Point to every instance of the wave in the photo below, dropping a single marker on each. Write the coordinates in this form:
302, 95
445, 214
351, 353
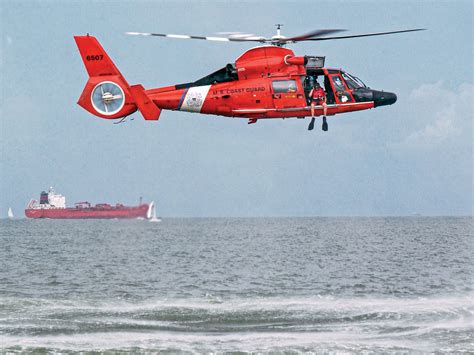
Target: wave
247, 324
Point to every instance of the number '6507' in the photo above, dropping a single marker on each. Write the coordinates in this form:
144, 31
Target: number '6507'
95, 57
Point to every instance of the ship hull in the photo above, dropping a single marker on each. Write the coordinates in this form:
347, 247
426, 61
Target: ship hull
88, 213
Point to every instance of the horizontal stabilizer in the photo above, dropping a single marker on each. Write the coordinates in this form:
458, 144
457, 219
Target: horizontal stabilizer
146, 106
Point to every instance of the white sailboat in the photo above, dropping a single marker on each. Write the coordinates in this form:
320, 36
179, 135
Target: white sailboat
151, 213
10, 213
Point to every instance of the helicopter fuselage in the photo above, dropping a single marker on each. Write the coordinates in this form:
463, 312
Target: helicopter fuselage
264, 82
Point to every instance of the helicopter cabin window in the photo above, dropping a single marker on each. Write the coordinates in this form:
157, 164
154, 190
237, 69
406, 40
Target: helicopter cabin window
228, 73
284, 86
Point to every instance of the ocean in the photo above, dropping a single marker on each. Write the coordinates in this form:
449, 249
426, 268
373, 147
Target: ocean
323, 285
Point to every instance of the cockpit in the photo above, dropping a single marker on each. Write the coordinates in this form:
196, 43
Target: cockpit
342, 87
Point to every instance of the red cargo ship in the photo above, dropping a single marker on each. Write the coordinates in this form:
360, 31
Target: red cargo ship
52, 205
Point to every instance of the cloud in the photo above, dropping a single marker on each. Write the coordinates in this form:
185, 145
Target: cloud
443, 115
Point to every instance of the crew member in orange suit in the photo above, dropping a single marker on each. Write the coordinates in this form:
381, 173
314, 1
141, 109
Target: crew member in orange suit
318, 97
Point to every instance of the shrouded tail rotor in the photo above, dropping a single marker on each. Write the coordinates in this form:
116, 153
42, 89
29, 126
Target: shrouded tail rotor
108, 98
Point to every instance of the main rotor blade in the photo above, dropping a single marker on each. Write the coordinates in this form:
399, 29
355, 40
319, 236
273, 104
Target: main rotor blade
205, 38
237, 37
312, 34
363, 35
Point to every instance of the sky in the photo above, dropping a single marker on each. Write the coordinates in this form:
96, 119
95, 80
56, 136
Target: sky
412, 157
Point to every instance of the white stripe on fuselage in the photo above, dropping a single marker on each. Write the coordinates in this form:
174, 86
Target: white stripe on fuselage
195, 98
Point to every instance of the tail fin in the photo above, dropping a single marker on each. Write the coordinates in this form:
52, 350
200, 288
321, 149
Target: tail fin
107, 94
95, 58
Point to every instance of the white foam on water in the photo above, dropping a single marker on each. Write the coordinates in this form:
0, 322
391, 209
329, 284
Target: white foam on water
313, 303
208, 342
352, 324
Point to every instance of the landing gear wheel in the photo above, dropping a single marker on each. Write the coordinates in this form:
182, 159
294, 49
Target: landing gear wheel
311, 124
325, 124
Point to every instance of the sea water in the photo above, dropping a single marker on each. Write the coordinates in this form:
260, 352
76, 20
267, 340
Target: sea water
201, 285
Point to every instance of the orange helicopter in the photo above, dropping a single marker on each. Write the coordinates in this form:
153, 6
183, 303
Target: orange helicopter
265, 82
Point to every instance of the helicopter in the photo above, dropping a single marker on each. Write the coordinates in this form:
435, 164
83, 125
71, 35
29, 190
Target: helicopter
265, 82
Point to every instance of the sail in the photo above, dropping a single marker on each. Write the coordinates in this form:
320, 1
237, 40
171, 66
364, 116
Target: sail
153, 217
151, 208
10, 213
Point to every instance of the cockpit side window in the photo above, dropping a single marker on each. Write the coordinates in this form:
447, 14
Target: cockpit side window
338, 84
342, 93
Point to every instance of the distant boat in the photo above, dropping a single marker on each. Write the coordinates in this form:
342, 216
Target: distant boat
151, 213
53, 205
10, 213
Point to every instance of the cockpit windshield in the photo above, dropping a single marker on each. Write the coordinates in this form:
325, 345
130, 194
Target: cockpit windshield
352, 81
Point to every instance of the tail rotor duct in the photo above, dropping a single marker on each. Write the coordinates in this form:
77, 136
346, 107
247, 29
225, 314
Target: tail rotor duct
107, 98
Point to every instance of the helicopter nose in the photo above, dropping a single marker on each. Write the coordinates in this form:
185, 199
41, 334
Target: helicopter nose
383, 98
